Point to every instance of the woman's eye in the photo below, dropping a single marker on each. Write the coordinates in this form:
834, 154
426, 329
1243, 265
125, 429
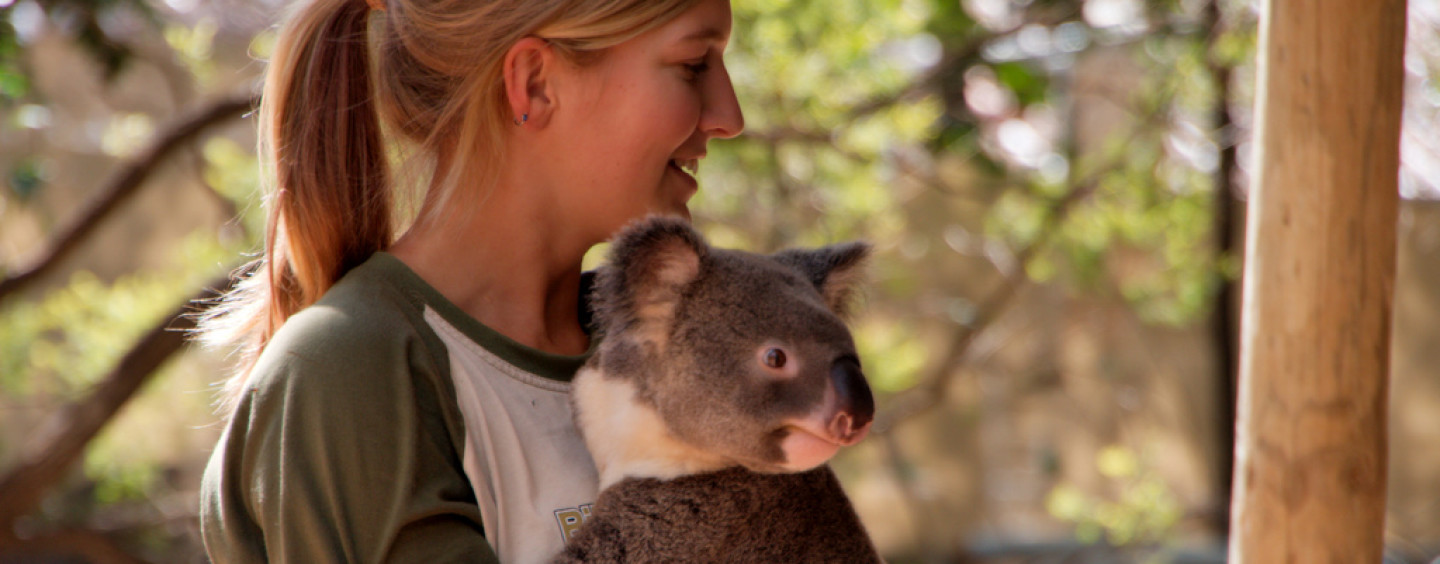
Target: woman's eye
697, 69
775, 358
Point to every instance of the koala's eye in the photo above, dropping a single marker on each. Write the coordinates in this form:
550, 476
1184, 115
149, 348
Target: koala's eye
775, 358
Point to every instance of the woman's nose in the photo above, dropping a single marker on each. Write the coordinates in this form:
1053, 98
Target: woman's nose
721, 116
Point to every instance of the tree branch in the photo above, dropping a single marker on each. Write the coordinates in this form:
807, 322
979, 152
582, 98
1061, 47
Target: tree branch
62, 438
124, 184
936, 383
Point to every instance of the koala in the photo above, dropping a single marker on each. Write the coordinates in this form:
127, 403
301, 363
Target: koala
724, 382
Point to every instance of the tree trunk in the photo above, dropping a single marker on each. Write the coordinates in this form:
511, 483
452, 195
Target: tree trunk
1310, 455
1223, 325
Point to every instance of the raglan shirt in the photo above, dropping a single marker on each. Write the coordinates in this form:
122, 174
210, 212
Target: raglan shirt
383, 424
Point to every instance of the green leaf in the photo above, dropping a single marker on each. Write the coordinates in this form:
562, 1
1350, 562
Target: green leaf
1029, 86
26, 179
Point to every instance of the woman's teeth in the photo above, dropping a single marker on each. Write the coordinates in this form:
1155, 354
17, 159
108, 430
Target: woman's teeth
690, 166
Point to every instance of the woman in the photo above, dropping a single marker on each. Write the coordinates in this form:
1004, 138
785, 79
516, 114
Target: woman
405, 399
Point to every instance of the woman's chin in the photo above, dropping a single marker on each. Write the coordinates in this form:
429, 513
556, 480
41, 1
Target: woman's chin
679, 210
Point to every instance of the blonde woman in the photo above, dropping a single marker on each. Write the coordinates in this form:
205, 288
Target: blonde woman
403, 397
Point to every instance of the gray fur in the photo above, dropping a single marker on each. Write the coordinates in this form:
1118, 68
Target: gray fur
684, 324
729, 516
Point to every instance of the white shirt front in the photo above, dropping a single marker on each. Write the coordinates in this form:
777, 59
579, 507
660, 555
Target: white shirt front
533, 477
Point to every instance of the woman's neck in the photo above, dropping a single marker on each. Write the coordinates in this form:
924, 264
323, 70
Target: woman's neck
508, 266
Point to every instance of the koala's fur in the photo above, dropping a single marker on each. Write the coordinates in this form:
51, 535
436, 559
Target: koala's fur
711, 446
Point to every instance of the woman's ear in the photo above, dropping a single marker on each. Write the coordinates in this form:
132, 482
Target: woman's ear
529, 66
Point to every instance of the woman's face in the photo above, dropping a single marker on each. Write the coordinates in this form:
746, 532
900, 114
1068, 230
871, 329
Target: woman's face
633, 125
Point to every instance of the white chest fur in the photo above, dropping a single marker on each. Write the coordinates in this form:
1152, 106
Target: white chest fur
627, 438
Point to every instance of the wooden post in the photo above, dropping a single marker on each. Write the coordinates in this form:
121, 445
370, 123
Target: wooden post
1320, 254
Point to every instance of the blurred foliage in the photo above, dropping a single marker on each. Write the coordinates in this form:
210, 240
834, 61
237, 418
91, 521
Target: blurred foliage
63, 342
888, 120
95, 26
26, 176
795, 66
98, 26
57, 346
943, 131
820, 163
193, 46
234, 173
858, 115
14, 83
1141, 511
893, 352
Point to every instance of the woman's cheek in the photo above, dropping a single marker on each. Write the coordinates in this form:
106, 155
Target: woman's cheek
683, 110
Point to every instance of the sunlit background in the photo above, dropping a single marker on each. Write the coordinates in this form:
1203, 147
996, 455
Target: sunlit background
1056, 189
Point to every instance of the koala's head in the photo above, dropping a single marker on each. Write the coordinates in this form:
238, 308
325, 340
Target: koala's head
743, 356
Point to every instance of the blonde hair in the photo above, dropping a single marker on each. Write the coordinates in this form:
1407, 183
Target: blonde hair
327, 127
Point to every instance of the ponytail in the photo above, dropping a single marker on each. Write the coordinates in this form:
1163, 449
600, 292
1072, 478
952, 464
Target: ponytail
330, 205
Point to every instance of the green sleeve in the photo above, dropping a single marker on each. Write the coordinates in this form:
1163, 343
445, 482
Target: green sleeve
345, 448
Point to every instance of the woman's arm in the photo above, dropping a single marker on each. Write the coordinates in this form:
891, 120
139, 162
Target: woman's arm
341, 450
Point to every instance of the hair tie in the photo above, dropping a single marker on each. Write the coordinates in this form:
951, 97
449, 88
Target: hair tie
376, 4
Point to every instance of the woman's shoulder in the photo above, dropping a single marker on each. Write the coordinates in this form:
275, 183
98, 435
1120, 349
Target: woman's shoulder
368, 323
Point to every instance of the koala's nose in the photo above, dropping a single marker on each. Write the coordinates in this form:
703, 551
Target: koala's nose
856, 406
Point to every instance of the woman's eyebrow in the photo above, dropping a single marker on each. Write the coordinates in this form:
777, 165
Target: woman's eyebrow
707, 33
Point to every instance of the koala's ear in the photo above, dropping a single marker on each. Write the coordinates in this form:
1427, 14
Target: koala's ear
651, 261
836, 271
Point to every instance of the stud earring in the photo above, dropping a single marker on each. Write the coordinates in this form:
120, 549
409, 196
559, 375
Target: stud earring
523, 118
